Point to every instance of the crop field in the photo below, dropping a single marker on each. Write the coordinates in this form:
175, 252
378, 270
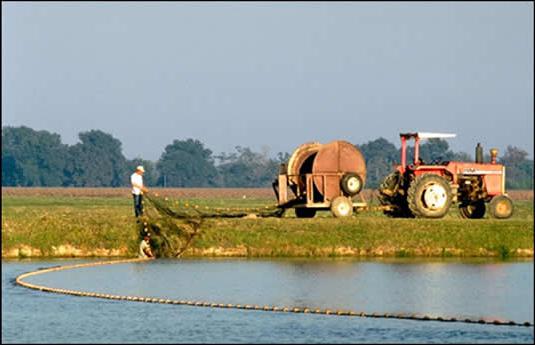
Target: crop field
72, 222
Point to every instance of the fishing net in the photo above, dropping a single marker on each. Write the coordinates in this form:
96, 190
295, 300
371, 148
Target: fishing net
173, 224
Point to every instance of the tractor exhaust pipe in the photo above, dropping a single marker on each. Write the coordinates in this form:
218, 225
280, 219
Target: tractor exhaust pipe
479, 153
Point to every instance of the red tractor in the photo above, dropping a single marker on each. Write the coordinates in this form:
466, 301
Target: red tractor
427, 190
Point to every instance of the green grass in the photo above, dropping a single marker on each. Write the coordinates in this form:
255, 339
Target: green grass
87, 223
92, 222
398, 237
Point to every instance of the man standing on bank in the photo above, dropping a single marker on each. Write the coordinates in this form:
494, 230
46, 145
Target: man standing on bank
138, 189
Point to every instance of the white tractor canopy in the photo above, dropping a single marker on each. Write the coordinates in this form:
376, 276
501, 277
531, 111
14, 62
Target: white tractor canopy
427, 135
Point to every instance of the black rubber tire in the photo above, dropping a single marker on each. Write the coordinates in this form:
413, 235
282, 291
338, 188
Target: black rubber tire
351, 184
474, 210
389, 196
303, 212
415, 196
501, 207
342, 206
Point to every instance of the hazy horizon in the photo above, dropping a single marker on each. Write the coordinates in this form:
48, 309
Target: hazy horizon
270, 75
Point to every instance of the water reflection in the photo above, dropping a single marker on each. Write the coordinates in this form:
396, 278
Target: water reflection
447, 288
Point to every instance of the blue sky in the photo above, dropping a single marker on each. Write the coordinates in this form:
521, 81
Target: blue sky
270, 76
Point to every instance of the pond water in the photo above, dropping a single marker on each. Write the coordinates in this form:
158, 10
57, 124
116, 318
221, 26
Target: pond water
450, 288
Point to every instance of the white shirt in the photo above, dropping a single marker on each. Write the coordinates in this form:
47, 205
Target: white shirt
142, 246
136, 179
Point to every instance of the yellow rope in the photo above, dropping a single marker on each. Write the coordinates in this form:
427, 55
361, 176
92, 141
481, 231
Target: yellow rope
20, 281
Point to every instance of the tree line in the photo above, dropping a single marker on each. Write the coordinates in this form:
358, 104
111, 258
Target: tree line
39, 158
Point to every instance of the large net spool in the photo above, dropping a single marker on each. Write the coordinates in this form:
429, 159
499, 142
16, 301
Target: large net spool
337, 158
300, 163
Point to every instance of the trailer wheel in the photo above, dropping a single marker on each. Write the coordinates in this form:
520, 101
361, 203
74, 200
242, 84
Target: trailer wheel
474, 210
351, 184
429, 196
303, 212
501, 207
342, 206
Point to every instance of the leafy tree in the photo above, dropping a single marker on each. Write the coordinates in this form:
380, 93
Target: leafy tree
246, 168
283, 157
432, 150
462, 157
519, 169
150, 177
32, 158
186, 163
380, 156
38, 158
97, 161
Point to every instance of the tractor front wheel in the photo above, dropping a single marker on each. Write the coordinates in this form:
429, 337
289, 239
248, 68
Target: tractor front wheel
474, 210
501, 207
429, 196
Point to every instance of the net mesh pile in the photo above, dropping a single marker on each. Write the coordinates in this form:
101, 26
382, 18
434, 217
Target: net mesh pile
173, 225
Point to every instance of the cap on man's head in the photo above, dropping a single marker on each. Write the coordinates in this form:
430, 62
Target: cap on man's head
140, 168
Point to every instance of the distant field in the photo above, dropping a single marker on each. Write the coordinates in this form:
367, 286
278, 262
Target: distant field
185, 192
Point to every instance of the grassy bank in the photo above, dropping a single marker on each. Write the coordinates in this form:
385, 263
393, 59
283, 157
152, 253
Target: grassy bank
104, 226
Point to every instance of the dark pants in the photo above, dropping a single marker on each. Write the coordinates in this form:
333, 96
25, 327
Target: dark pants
138, 206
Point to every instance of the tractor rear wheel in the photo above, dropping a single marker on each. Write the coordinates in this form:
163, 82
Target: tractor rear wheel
501, 207
351, 184
342, 206
429, 196
474, 210
303, 212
